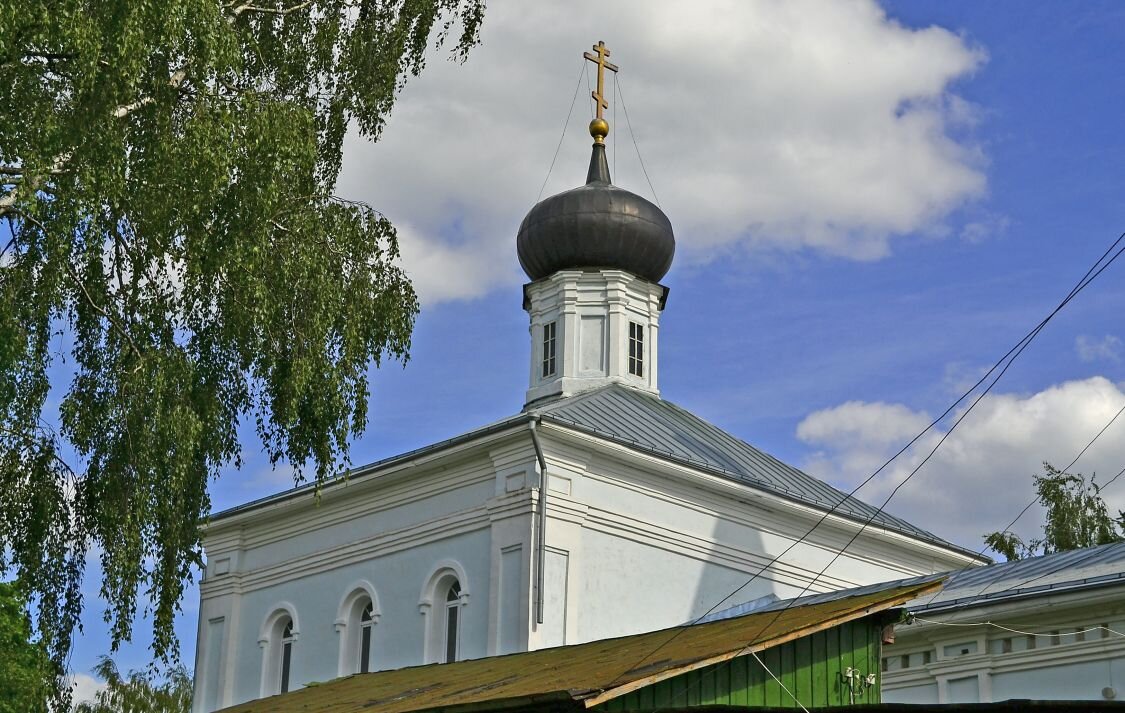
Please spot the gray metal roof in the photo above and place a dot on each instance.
(1036, 576)
(640, 420)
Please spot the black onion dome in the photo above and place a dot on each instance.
(597, 225)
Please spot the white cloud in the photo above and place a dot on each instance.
(987, 227)
(85, 687)
(980, 478)
(959, 376)
(768, 125)
(1093, 349)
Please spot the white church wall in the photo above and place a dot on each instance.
(633, 543)
(400, 634)
(466, 514)
(647, 544)
(355, 515)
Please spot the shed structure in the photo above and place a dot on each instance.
(821, 652)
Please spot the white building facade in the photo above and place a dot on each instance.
(600, 510)
(1046, 628)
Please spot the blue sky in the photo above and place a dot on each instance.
(872, 204)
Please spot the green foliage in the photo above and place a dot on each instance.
(174, 249)
(139, 692)
(27, 676)
(1076, 517)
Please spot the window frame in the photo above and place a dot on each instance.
(366, 634)
(636, 349)
(451, 623)
(549, 348)
(287, 640)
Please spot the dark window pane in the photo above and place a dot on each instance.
(286, 658)
(365, 651)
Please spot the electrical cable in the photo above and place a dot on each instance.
(1046, 635)
(1009, 358)
(774, 677)
(563, 135)
(1021, 585)
(1027, 507)
(633, 136)
(1089, 277)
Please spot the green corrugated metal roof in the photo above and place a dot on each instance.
(582, 675)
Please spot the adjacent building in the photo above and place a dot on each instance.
(1048, 628)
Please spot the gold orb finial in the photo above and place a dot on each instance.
(599, 129)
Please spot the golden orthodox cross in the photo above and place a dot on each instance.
(600, 60)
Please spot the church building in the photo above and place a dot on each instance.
(600, 510)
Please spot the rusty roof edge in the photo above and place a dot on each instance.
(902, 597)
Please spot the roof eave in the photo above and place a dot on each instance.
(409, 459)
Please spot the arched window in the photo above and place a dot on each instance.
(366, 624)
(356, 620)
(443, 602)
(452, 621)
(277, 639)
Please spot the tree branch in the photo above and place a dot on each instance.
(174, 81)
(247, 7)
(9, 199)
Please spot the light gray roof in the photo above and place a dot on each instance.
(1036, 576)
(771, 602)
(645, 422)
(648, 423)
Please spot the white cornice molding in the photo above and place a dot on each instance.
(369, 548)
(318, 518)
(368, 477)
(1066, 608)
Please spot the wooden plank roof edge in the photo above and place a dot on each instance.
(671, 672)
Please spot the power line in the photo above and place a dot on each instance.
(1020, 585)
(1012, 354)
(1027, 507)
(554, 158)
(633, 136)
(1083, 451)
(774, 677)
(1046, 635)
(1090, 276)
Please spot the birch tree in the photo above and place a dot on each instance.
(174, 263)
